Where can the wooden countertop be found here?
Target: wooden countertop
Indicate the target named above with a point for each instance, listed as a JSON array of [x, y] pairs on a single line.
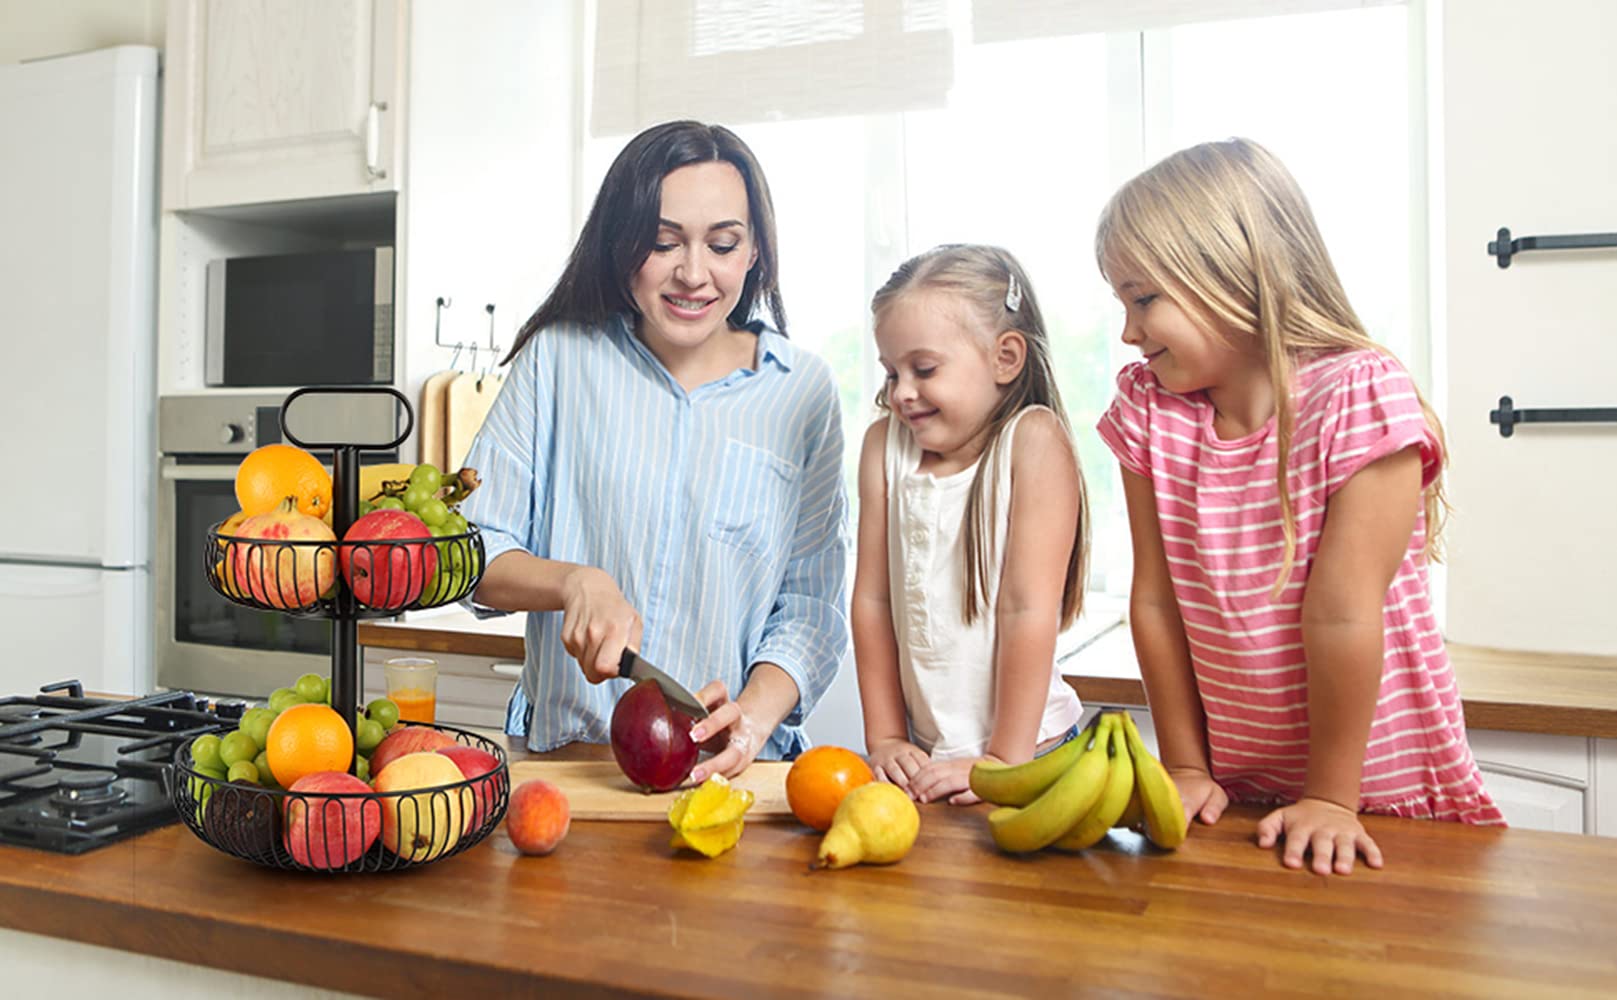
[[1458, 910], [1554, 693]]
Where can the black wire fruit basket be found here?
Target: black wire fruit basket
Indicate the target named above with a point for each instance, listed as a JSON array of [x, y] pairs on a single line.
[[340, 823], [340, 828]]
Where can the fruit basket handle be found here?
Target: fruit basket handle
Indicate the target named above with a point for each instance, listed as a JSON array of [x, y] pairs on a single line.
[[350, 390]]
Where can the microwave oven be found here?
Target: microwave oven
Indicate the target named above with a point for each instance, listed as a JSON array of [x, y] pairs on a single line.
[[321, 318]]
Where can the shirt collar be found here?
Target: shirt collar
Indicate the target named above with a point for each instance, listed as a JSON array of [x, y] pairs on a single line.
[[773, 347]]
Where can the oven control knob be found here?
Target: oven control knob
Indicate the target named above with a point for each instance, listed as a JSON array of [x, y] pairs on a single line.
[[231, 433]]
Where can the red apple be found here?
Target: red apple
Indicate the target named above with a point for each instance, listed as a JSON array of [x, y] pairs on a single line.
[[474, 763], [327, 832], [382, 571], [651, 739], [278, 572], [538, 817], [407, 739]]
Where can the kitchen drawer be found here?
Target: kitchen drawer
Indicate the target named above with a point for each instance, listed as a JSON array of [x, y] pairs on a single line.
[[472, 690], [1529, 754]]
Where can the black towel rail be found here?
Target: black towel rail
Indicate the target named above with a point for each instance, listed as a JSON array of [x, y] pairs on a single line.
[[1503, 248], [1507, 416]]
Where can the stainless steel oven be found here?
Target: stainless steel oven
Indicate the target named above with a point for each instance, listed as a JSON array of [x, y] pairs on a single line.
[[203, 642]]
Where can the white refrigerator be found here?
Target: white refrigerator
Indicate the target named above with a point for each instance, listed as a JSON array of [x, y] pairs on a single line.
[[78, 289]]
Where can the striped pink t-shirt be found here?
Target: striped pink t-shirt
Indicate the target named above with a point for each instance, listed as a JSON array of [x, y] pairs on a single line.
[[1221, 530]]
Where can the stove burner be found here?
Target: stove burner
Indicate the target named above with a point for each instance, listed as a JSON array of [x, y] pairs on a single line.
[[78, 794], [77, 773]]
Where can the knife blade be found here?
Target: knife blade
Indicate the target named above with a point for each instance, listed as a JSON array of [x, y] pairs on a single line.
[[637, 668]]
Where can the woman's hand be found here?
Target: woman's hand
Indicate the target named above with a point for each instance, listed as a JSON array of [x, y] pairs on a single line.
[[938, 778], [729, 733], [597, 622], [897, 761], [1203, 797], [1332, 831]]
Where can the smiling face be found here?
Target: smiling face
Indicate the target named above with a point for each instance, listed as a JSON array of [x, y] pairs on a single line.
[[688, 285], [1183, 354], [944, 378]]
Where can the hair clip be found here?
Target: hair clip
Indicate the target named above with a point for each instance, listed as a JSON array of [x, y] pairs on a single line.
[[1013, 295]]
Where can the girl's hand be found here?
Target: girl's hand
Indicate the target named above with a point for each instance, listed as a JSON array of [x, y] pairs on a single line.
[[1333, 832], [597, 622], [1203, 797], [897, 761], [938, 778], [733, 737]]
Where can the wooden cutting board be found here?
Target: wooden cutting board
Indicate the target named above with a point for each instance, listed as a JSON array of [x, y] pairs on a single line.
[[597, 789], [430, 419], [466, 402]]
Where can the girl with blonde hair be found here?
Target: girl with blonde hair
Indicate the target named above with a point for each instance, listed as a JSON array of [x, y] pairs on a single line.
[[972, 528], [1284, 484]]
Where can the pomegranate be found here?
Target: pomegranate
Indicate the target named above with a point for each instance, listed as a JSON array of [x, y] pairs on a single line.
[[651, 739], [288, 570], [381, 571]]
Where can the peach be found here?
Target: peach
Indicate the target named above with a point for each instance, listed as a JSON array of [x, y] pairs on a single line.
[[406, 740], [424, 819], [323, 831], [538, 817], [474, 763]]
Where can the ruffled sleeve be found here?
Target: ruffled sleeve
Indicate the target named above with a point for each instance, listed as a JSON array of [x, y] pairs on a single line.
[[1126, 425], [1374, 411]]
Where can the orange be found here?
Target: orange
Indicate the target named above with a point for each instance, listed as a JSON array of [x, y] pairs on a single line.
[[307, 738], [819, 779], [278, 472]]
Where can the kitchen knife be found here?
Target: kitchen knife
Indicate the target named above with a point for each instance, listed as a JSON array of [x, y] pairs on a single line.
[[638, 669]]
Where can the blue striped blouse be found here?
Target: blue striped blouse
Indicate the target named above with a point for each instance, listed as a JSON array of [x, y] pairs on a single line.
[[720, 513]]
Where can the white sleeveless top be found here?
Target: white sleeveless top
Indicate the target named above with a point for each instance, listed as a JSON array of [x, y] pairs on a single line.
[[946, 668]]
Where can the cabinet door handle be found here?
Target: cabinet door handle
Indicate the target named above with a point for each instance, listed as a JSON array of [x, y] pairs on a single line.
[[506, 669], [373, 140]]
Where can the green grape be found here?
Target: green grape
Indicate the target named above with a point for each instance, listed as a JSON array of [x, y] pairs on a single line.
[[365, 507], [458, 522], [389, 503], [205, 752], [266, 777], [256, 723], [362, 768], [237, 747], [434, 512], [311, 687], [243, 770], [427, 477], [282, 699], [384, 711], [414, 497], [368, 734]]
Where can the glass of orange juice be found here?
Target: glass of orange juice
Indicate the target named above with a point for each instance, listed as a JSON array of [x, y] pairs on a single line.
[[412, 683]]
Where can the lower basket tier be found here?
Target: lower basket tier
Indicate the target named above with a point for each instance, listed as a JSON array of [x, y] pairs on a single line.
[[338, 823]]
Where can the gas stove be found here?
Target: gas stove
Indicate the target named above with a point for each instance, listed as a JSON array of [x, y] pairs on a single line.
[[78, 773]]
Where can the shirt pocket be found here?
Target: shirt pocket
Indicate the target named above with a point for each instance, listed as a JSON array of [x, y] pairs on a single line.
[[755, 499]]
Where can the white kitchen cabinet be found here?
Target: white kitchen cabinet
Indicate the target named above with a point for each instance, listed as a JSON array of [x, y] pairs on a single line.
[[282, 101], [1539, 782], [472, 690], [1605, 788]]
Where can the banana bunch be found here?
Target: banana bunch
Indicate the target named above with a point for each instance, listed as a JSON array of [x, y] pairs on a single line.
[[1070, 797]]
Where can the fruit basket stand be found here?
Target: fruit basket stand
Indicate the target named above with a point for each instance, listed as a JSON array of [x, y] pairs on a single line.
[[346, 827]]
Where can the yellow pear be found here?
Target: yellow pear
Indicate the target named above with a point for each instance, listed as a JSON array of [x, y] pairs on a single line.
[[876, 824]]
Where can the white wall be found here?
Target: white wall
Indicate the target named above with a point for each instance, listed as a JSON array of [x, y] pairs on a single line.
[[33, 29], [1530, 105]]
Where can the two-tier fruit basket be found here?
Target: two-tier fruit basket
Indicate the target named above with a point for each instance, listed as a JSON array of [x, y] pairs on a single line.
[[341, 824]]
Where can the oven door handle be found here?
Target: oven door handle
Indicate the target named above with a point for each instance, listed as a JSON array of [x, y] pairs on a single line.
[[170, 469]]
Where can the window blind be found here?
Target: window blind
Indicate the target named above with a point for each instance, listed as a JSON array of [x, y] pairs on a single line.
[[739, 61]]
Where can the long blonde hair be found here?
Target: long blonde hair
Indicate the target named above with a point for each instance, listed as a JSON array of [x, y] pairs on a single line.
[[982, 279], [1223, 230]]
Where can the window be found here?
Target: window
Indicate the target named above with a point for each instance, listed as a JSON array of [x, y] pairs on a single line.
[[1014, 137]]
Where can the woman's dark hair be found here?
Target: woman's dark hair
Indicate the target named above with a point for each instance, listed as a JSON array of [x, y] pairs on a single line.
[[622, 227]]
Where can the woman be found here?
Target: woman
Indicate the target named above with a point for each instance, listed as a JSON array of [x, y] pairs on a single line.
[[664, 468]]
